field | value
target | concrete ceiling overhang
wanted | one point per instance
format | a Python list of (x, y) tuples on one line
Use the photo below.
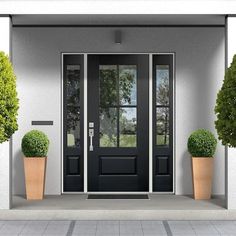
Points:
[(113, 20)]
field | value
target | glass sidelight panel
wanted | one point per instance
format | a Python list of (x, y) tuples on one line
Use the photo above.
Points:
[(128, 127), (162, 85), (162, 126), (162, 105), (73, 105)]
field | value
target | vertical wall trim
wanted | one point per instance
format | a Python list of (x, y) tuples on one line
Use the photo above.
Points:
[(226, 148), (62, 121), (150, 126), (11, 139), (85, 123)]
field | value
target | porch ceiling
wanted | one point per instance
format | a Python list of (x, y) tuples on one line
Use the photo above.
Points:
[(113, 20)]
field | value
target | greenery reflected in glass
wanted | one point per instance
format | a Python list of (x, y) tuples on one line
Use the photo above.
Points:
[(118, 88), (128, 84), (108, 85), (108, 127), (162, 125), (73, 102), (162, 85), (128, 127)]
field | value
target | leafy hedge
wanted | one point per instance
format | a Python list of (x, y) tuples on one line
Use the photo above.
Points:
[(202, 143), (225, 108), (35, 144), (9, 102)]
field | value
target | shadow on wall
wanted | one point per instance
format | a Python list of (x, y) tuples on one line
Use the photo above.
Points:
[(186, 170), (18, 173)]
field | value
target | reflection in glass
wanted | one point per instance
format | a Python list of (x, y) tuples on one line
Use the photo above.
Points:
[(108, 127), (73, 109), (73, 84), (128, 127), (162, 126), (128, 84), (108, 85), (162, 85), (73, 126)]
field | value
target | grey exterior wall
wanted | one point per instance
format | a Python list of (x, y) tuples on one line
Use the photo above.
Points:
[(199, 74)]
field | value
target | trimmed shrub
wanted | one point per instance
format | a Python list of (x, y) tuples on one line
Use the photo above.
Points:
[(202, 143), (9, 102), (35, 144), (225, 108)]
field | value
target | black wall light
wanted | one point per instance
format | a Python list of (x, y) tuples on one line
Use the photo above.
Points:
[(118, 37)]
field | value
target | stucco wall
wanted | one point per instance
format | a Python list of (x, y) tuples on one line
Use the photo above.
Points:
[(199, 73)]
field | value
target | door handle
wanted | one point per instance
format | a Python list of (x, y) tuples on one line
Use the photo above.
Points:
[(91, 134)]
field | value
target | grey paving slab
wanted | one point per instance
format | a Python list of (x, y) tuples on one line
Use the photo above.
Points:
[(12, 227), (56, 228), (86, 222), (181, 228), (204, 227)]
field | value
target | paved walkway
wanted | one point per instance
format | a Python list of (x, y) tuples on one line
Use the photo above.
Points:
[(115, 228)]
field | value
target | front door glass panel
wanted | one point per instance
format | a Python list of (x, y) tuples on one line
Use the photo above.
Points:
[(118, 105)]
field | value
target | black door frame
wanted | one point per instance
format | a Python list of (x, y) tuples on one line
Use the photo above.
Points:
[(151, 101)]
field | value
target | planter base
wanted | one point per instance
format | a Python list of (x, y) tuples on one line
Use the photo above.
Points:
[(35, 168), (202, 177)]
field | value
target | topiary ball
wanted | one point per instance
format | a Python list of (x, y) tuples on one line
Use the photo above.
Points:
[(35, 144), (202, 143)]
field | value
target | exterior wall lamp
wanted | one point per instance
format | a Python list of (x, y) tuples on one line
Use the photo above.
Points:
[(118, 37)]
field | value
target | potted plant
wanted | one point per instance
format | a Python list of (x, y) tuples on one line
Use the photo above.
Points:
[(202, 147), (35, 147)]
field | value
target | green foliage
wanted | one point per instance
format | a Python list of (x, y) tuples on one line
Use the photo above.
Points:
[(202, 143), (35, 144), (8, 99), (225, 108)]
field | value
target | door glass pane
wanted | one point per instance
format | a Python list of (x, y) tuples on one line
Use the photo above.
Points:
[(73, 108), (128, 84), (162, 85), (73, 84), (128, 127), (108, 127), (108, 85), (162, 126)]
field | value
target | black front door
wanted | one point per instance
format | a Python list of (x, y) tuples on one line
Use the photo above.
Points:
[(118, 156)]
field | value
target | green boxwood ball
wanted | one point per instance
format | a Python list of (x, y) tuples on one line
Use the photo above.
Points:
[(202, 143), (35, 143)]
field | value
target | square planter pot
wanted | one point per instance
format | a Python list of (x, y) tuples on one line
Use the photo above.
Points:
[(35, 169), (202, 169)]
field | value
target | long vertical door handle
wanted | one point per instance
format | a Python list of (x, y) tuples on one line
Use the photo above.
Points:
[(91, 134)]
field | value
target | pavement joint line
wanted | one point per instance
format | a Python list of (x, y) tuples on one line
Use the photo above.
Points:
[(167, 228), (71, 228)]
